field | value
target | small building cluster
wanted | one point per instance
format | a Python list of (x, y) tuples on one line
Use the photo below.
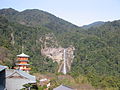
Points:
[(14, 79)]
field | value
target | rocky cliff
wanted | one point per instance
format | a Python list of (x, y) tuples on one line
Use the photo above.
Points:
[(57, 54), (51, 49)]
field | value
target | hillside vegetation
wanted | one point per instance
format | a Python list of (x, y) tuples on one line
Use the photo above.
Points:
[(97, 49), (35, 17)]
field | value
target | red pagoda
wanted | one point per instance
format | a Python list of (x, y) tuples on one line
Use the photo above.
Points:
[(23, 62)]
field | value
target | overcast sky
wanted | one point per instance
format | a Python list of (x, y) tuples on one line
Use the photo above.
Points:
[(79, 12)]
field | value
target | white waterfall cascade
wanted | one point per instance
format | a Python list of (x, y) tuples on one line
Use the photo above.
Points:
[(64, 66)]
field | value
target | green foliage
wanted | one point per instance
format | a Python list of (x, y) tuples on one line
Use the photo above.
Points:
[(59, 80), (97, 49), (104, 81), (30, 86), (36, 18), (97, 54), (42, 87), (29, 38)]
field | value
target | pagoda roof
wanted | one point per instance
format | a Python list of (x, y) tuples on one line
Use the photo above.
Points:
[(23, 55), (22, 64), (22, 60)]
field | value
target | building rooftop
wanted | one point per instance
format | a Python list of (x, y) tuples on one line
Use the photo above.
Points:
[(22, 61), (62, 87), (2, 67), (23, 55), (22, 64), (44, 79), (10, 72)]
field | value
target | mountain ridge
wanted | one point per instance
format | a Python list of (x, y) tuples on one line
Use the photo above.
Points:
[(94, 24), (35, 17), (96, 55)]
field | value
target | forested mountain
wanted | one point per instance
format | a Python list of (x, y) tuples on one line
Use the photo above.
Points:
[(97, 49), (14, 35), (95, 24), (35, 17)]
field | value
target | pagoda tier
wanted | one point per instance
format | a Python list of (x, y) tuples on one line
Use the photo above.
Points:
[(23, 55), (22, 58), (26, 69), (23, 62), (23, 68)]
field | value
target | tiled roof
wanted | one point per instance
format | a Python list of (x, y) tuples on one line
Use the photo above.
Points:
[(62, 87), (22, 60), (2, 67), (22, 64), (10, 72)]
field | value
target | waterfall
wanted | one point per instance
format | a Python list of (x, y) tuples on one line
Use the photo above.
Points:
[(13, 39), (64, 65)]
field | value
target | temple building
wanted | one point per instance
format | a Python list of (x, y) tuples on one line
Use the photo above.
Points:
[(23, 62), (15, 79)]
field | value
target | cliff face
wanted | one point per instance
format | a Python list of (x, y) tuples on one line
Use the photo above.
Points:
[(51, 49), (57, 54)]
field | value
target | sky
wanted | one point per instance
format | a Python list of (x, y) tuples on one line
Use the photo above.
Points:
[(78, 12)]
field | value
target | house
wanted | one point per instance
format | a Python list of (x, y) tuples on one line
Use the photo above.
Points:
[(2, 77), (15, 79), (63, 87)]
